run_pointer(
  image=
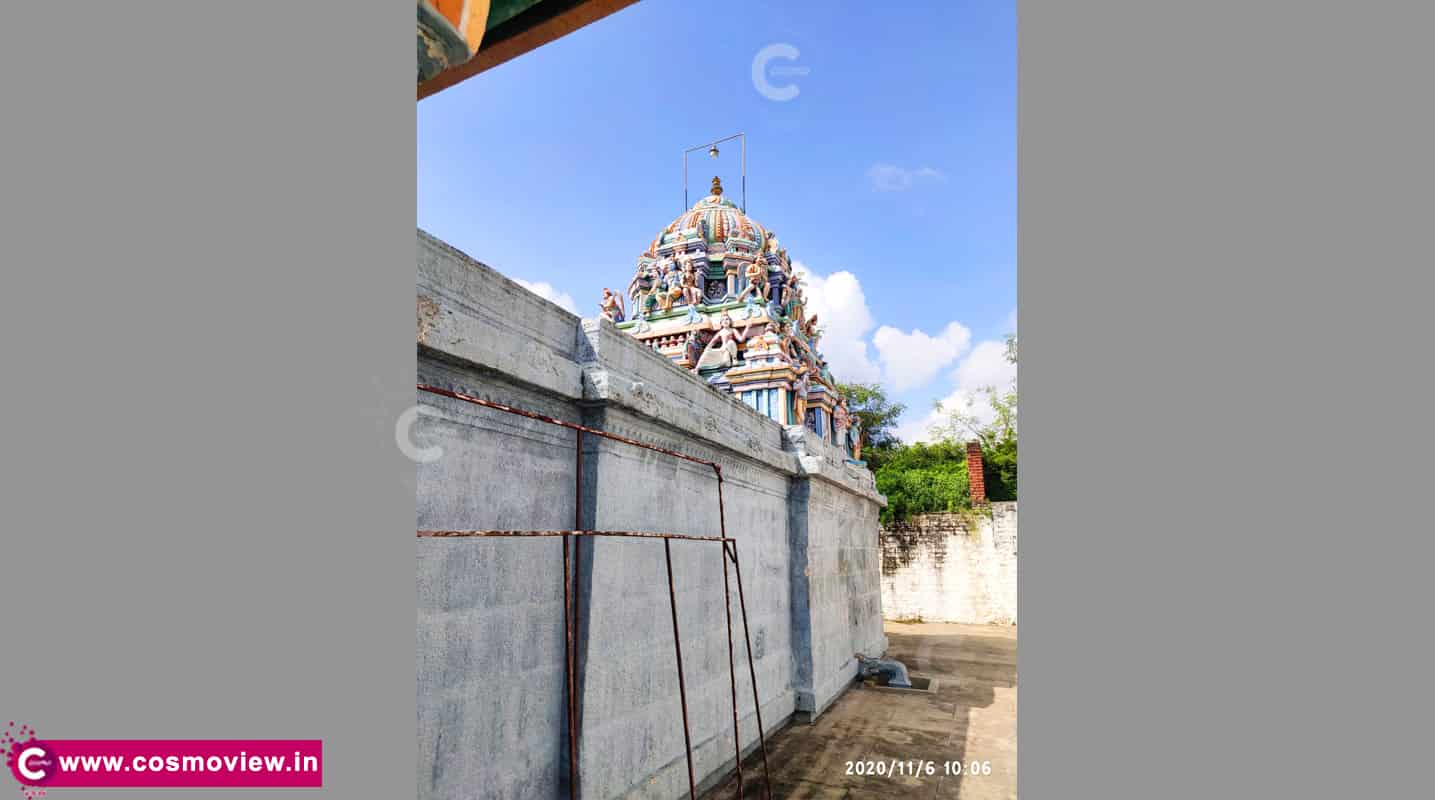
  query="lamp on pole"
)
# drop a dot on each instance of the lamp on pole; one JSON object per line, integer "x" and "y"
{"x": 712, "y": 148}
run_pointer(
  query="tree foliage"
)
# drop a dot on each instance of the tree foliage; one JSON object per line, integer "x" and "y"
{"x": 998, "y": 436}
{"x": 923, "y": 478}
{"x": 869, "y": 403}
{"x": 999, "y": 469}
{"x": 928, "y": 478}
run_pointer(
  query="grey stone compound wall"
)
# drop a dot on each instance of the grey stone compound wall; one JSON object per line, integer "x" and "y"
{"x": 491, "y": 708}
{"x": 952, "y": 568}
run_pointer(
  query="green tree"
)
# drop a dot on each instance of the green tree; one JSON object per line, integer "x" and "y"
{"x": 869, "y": 403}
{"x": 998, "y": 437}
{"x": 923, "y": 478}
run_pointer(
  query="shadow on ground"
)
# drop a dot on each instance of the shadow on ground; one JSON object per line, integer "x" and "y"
{"x": 971, "y": 718}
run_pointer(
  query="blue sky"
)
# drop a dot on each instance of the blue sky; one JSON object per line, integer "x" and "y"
{"x": 891, "y": 175}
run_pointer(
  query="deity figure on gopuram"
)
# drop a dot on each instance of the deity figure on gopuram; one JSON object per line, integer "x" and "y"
{"x": 717, "y": 294}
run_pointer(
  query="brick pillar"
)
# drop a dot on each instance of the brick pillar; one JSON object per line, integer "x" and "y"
{"x": 974, "y": 473}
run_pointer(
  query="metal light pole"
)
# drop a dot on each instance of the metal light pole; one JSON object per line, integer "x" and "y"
{"x": 713, "y": 151}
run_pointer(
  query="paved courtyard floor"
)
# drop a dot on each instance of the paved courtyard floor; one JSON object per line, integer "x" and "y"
{"x": 970, "y": 719}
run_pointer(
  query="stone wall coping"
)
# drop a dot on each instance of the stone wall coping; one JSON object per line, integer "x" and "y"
{"x": 470, "y": 312}
{"x": 619, "y": 369}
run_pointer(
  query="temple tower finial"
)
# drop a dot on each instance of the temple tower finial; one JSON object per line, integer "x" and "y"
{"x": 717, "y": 186}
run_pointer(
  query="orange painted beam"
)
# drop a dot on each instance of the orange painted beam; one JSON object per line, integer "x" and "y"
{"x": 495, "y": 52}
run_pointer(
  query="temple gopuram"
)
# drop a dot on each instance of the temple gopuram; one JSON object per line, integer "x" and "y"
{"x": 716, "y": 294}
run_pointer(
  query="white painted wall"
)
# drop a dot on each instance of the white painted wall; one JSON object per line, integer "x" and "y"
{"x": 952, "y": 568}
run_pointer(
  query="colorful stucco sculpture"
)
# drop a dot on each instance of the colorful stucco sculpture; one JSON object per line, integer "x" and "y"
{"x": 716, "y": 293}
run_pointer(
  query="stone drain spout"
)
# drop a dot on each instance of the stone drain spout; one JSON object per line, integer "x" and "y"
{"x": 893, "y": 670}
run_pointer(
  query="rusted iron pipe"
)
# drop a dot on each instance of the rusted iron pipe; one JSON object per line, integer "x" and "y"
{"x": 572, "y": 625}
{"x": 727, "y": 610}
{"x": 752, "y": 672}
{"x": 440, "y": 534}
{"x": 568, "y": 676}
{"x": 682, "y": 686}
{"x": 732, "y": 673}
{"x": 575, "y": 426}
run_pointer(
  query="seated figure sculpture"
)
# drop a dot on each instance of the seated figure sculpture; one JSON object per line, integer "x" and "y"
{"x": 773, "y": 340}
{"x": 611, "y": 306}
{"x": 672, "y": 286}
{"x": 756, "y": 275}
{"x": 722, "y": 348}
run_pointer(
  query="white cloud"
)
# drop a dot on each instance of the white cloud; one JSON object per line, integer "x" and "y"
{"x": 845, "y": 320}
{"x": 911, "y": 359}
{"x": 546, "y": 291}
{"x": 985, "y": 366}
{"x": 903, "y": 360}
{"x": 892, "y": 178}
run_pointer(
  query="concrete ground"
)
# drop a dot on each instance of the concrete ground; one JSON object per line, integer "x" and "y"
{"x": 971, "y": 718}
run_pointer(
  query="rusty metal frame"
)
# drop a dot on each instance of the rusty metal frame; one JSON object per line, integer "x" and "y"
{"x": 571, "y": 594}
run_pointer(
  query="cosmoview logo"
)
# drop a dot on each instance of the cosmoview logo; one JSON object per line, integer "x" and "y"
{"x": 761, "y": 71}
{"x": 35, "y": 762}
{"x": 31, "y": 761}
{"x": 39, "y": 766}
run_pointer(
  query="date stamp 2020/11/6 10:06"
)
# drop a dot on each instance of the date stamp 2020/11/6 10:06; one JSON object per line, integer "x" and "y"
{"x": 900, "y": 768}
